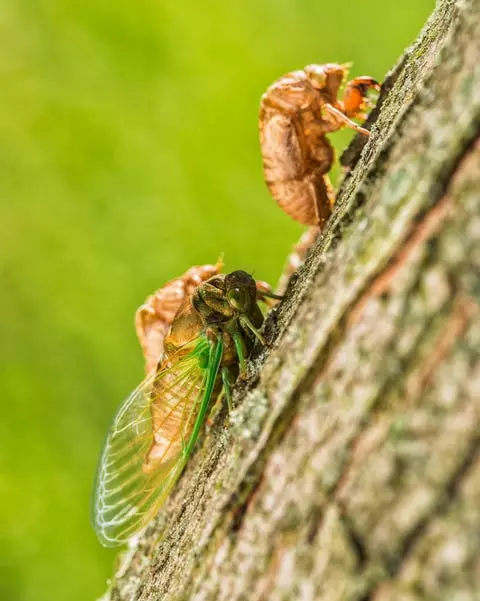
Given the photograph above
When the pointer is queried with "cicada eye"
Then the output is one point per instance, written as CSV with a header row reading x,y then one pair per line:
x,y
237,298
317,75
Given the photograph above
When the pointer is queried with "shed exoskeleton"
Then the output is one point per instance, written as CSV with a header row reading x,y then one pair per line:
x,y
296,113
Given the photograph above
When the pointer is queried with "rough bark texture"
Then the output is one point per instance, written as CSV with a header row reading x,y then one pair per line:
x,y
350,469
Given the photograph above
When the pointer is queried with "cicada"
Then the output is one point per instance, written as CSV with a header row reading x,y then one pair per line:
x,y
155,429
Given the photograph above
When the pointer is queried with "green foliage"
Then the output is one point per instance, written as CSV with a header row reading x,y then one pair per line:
x,y
129,152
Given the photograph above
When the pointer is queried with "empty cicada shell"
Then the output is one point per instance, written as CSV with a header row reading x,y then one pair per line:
x,y
295,114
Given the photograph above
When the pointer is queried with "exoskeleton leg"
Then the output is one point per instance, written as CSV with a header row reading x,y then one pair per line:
x,y
266,295
343,120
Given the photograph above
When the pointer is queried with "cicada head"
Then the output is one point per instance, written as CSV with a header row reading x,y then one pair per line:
x,y
325,77
241,295
228,304
241,291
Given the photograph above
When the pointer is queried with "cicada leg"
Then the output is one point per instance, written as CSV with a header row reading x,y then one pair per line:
x,y
241,351
228,380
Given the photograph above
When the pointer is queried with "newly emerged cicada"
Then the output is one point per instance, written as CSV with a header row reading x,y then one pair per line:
x,y
204,328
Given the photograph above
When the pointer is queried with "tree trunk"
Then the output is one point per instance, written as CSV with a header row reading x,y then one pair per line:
x,y
350,468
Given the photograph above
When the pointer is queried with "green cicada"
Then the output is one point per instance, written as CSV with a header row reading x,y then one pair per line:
x,y
154,431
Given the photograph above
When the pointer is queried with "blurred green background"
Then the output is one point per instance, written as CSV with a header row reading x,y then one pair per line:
x,y
128,153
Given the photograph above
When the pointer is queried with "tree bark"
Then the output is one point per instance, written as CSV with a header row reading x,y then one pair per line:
x,y
350,468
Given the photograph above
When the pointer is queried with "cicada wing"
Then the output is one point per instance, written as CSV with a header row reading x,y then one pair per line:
x,y
126,496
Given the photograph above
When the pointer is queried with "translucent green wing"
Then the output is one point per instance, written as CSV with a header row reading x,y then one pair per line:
x,y
125,496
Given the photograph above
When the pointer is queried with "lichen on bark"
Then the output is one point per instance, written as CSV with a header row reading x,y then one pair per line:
x,y
351,469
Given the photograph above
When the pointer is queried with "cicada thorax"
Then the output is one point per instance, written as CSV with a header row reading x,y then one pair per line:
x,y
296,154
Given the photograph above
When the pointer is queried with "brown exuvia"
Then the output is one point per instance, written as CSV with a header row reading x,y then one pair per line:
x,y
154,318
295,114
